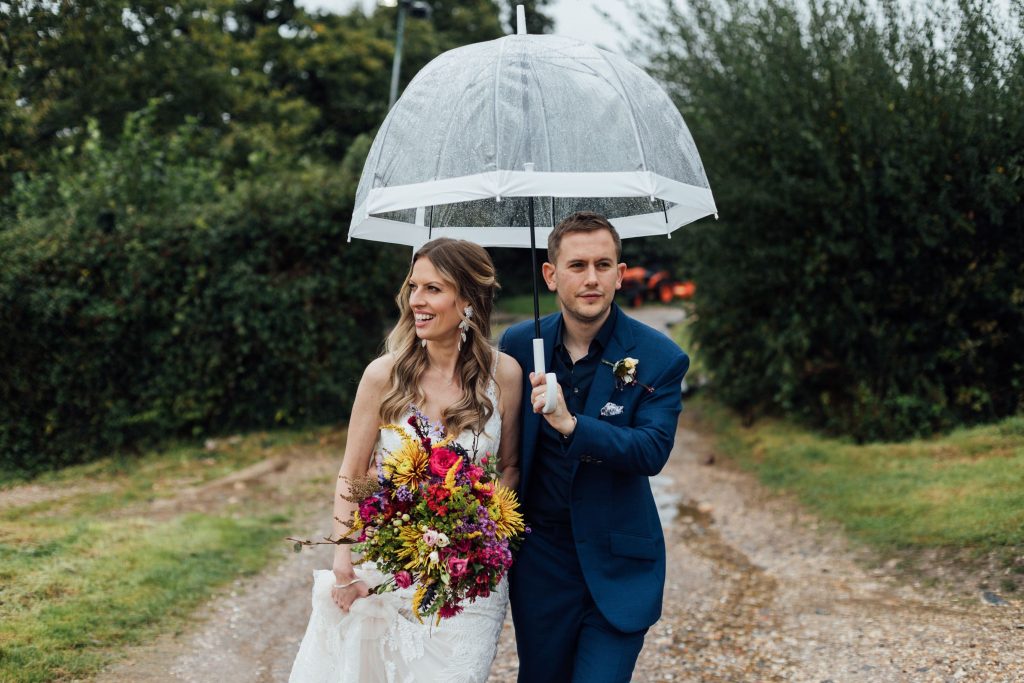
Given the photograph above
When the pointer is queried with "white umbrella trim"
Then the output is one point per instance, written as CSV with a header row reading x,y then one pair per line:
x,y
399,232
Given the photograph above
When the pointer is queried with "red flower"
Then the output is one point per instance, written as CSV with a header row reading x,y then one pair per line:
x,y
447,610
441,460
439,493
403,579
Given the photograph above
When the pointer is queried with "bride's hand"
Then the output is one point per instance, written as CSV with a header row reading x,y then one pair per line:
x,y
344,597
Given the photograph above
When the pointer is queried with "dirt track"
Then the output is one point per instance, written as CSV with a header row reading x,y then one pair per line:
x,y
757,590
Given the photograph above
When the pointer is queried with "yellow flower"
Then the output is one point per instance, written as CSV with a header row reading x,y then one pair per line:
x,y
417,600
407,465
504,510
449,479
410,550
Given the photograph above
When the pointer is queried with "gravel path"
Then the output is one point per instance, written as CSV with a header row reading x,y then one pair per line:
x,y
757,590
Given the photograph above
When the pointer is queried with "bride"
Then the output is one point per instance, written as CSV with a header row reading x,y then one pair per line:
x,y
438,363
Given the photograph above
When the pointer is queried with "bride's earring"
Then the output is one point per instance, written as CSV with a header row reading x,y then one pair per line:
x,y
464,325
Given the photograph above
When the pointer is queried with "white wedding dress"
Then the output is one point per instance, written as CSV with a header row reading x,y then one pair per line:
x,y
380,640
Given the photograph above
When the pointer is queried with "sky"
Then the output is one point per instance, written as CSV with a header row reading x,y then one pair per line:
x,y
574,18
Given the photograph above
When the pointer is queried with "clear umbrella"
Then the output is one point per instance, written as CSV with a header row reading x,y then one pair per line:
x,y
496,142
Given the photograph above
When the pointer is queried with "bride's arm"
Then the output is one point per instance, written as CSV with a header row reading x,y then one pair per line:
x,y
510,385
363,426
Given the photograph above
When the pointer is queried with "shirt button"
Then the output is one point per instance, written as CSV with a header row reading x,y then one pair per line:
x,y
575,390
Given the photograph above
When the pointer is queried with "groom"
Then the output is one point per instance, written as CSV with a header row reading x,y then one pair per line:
x,y
588,581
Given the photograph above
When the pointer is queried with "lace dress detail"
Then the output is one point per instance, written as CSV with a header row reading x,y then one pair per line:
x,y
379,639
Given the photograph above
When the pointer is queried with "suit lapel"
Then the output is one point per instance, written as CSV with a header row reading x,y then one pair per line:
x,y
618,348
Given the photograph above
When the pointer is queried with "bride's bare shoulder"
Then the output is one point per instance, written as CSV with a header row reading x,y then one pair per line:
x,y
508,373
378,373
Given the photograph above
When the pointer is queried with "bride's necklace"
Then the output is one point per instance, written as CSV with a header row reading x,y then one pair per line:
x,y
448,380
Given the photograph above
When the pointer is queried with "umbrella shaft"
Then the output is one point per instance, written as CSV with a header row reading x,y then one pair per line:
x,y
533,264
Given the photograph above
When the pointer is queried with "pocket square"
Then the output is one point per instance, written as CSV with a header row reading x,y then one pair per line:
x,y
610,409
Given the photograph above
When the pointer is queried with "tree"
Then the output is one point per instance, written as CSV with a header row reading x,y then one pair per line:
x,y
866,273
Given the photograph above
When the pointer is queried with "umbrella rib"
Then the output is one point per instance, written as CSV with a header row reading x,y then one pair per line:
x,y
629,106
547,134
497,128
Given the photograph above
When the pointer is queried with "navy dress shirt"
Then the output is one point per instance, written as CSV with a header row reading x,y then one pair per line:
x,y
551,479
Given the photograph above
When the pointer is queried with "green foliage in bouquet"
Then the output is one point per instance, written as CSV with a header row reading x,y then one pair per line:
x,y
867,272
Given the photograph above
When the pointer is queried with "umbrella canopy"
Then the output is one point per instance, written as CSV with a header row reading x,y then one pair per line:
x,y
483,127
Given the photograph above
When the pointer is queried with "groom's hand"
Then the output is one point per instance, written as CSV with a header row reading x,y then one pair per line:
x,y
560,418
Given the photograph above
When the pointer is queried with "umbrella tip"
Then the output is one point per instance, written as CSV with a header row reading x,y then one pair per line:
x,y
520,20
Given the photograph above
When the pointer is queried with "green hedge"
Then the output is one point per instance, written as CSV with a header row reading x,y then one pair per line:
x,y
868,269
245,308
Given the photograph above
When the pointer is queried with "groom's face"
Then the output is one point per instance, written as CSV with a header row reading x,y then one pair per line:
x,y
586,275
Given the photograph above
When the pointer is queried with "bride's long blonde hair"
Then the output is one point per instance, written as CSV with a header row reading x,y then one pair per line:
x,y
468,267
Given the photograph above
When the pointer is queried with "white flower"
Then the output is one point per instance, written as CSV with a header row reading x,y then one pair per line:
x,y
434,557
625,372
442,539
430,537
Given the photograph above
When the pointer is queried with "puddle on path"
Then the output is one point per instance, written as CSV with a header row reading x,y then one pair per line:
x,y
665,498
694,513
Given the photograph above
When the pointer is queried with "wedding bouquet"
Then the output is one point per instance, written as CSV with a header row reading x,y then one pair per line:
x,y
436,519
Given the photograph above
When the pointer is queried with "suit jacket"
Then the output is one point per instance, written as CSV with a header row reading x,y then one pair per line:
x,y
615,523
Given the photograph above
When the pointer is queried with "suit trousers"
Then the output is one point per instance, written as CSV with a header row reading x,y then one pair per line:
x,y
560,633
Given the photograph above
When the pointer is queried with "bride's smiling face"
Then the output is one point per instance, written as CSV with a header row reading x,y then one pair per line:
x,y
435,304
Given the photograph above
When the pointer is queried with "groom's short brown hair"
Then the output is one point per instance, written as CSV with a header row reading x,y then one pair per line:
x,y
581,221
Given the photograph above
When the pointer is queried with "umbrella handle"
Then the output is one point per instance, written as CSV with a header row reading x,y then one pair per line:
x,y
551,380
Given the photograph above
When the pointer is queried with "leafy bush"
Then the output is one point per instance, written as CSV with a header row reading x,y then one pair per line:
x,y
868,270
146,299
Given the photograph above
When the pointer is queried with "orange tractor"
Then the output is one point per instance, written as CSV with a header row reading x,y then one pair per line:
x,y
640,284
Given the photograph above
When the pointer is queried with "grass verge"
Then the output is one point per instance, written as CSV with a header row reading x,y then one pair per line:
x,y
960,490
522,305
86,567
960,494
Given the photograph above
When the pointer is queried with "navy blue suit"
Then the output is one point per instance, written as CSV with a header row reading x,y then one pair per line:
x,y
608,567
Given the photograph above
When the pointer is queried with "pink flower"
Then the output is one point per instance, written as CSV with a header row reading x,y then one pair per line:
x,y
366,511
441,460
475,472
458,566
403,579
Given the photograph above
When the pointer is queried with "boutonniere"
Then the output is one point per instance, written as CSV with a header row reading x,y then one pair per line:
x,y
625,373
